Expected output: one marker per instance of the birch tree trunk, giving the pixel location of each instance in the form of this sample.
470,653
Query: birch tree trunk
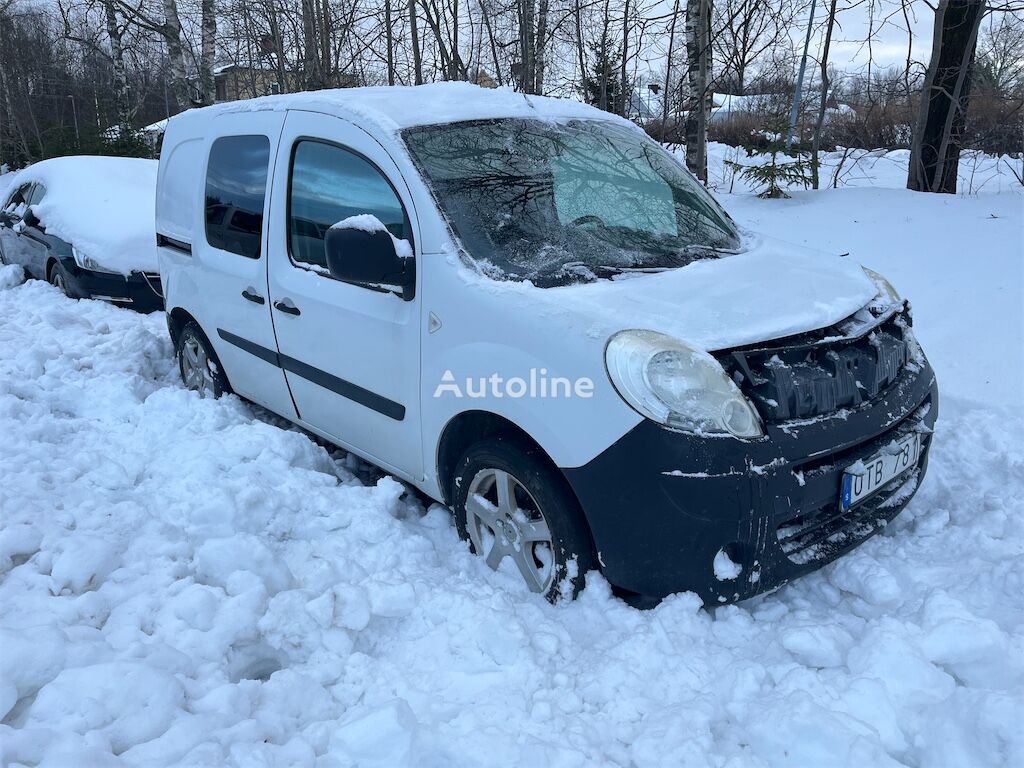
171,33
935,149
540,44
310,47
528,67
207,53
121,98
698,70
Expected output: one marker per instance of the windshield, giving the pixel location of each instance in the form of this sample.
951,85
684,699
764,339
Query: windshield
559,203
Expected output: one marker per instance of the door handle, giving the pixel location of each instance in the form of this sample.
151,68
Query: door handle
288,308
253,297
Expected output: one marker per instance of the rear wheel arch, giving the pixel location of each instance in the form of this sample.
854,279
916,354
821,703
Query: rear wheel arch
216,369
177,319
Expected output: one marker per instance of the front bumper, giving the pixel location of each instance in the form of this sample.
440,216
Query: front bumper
139,291
661,504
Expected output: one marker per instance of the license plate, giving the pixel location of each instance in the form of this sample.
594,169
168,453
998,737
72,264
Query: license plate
864,478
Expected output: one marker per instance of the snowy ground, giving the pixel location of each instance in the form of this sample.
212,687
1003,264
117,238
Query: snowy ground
188,582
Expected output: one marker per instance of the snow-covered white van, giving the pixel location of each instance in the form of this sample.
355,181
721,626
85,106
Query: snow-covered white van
531,312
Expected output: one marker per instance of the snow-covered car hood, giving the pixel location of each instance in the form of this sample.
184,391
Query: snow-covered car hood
104,206
771,290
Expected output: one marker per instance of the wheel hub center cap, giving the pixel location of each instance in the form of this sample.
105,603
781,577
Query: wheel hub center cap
509,530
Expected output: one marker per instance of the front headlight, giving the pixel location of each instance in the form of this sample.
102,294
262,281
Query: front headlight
672,384
884,286
88,262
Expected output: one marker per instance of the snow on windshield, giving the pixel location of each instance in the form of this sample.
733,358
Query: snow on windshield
558,203
104,206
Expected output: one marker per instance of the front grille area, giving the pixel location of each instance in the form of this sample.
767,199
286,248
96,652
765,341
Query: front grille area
819,373
819,533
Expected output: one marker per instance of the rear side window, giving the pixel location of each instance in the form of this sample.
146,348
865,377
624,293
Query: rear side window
38,193
17,202
330,184
236,188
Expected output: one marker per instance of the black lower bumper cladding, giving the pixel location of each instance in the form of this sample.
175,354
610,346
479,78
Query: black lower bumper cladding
139,291
663,505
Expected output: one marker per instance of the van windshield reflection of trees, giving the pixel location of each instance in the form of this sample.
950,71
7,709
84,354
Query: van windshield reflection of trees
567,202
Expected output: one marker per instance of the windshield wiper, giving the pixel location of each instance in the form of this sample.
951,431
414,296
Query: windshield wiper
635,269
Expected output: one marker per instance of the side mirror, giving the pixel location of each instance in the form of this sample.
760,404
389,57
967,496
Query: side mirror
30,219
361,251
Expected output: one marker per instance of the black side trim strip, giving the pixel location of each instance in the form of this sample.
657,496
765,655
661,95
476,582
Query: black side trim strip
262,353
176,245
346,389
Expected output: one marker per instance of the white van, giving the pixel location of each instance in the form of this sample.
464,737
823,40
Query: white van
531,312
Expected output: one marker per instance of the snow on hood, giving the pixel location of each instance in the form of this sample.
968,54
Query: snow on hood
104,206
771,290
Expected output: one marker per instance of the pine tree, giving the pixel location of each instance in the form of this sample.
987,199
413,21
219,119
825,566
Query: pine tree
784,168
602,85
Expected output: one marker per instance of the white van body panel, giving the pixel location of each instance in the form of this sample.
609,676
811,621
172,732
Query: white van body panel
481,320
483,323
209,284
363,337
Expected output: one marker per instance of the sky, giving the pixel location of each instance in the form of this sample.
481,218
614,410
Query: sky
890,45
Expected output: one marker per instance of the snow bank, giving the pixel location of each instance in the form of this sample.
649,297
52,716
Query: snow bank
977,173
104,206
959,259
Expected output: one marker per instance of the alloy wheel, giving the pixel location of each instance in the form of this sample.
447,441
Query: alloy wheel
195,367
504,520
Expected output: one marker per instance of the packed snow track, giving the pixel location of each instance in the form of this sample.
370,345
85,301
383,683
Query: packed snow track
193,582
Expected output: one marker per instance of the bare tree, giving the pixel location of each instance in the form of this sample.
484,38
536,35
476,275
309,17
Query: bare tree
935,150
746,34
1001,50
825,84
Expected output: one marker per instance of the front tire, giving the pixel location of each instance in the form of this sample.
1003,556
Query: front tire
58,278
198,364
511,503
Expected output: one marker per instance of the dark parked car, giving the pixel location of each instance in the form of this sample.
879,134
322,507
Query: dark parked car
90,252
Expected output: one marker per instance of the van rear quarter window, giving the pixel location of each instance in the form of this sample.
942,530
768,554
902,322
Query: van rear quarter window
236,188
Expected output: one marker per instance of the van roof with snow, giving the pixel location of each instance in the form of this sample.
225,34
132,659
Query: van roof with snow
394,108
